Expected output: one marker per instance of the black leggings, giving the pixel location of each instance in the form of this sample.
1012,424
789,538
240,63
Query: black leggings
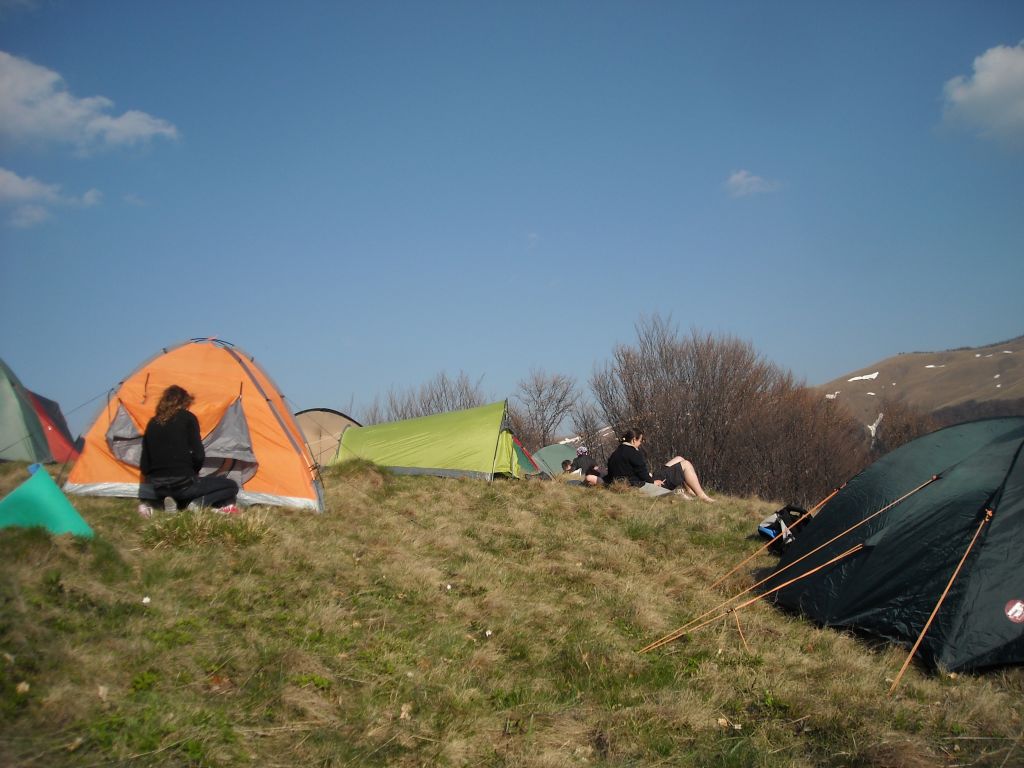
209,491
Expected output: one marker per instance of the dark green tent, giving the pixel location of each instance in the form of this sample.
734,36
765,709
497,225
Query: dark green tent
915,512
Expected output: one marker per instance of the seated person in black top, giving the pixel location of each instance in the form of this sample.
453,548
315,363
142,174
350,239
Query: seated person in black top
585,463
172,455
627,464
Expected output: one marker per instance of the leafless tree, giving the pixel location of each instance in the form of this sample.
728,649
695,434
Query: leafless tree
540,405
744,422
593,431
373,414
901,423
439,395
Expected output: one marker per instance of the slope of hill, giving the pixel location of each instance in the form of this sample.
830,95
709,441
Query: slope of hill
933,381
422,622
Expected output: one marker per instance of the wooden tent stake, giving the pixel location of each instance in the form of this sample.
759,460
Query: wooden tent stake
740,630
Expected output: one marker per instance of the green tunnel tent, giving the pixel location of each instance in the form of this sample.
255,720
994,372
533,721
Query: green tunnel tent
21,434
475,442
901,528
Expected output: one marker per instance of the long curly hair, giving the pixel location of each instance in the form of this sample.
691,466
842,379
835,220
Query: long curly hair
173,399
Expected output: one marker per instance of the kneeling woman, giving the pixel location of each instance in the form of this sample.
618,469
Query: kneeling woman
173,454
627,463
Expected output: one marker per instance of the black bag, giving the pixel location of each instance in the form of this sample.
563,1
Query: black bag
776,527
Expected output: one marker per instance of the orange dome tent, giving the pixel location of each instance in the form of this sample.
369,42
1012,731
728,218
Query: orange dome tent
248,432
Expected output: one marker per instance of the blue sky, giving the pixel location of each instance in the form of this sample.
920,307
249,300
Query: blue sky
363,195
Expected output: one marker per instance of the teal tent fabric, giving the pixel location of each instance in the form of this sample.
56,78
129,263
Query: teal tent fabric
550,457
38,502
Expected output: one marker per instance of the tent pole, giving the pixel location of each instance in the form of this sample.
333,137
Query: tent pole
809,513
677,634
683,629
942,597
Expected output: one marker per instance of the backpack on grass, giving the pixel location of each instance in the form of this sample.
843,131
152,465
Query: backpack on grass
776,527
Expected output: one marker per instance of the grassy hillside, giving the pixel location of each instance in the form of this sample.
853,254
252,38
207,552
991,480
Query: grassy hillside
423,621
932,381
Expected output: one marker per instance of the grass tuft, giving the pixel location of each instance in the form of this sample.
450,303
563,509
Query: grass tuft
205,527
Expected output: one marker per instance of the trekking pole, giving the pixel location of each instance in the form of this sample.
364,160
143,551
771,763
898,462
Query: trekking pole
942,597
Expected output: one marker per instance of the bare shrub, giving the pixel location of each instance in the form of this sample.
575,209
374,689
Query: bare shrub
901,422
541,403
744,422
589,424
439,395
972,410
798,447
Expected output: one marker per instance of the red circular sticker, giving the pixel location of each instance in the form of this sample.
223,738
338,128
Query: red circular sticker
1015,611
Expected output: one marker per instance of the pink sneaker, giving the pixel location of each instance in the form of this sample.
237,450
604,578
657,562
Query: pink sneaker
145,510
229,509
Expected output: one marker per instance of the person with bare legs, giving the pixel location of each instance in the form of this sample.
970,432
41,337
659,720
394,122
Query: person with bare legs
678,475
627,464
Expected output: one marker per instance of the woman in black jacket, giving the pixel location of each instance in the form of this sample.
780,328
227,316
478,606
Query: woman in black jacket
627,464
173,454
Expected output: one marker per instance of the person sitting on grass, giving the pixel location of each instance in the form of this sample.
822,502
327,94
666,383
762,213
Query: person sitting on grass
587,466
627,464
173,454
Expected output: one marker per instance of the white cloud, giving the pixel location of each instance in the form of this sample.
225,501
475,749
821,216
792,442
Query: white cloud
35,105
743,183
91,198
26,216
991,100
32,199
16,189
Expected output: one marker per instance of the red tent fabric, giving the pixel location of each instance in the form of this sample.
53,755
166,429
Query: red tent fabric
62,445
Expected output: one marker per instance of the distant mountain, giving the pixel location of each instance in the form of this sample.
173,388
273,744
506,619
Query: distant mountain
954,385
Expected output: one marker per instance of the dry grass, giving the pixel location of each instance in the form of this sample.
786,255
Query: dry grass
423,621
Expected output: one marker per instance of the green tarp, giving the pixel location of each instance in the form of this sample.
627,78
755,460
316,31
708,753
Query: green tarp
38,502
475,442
